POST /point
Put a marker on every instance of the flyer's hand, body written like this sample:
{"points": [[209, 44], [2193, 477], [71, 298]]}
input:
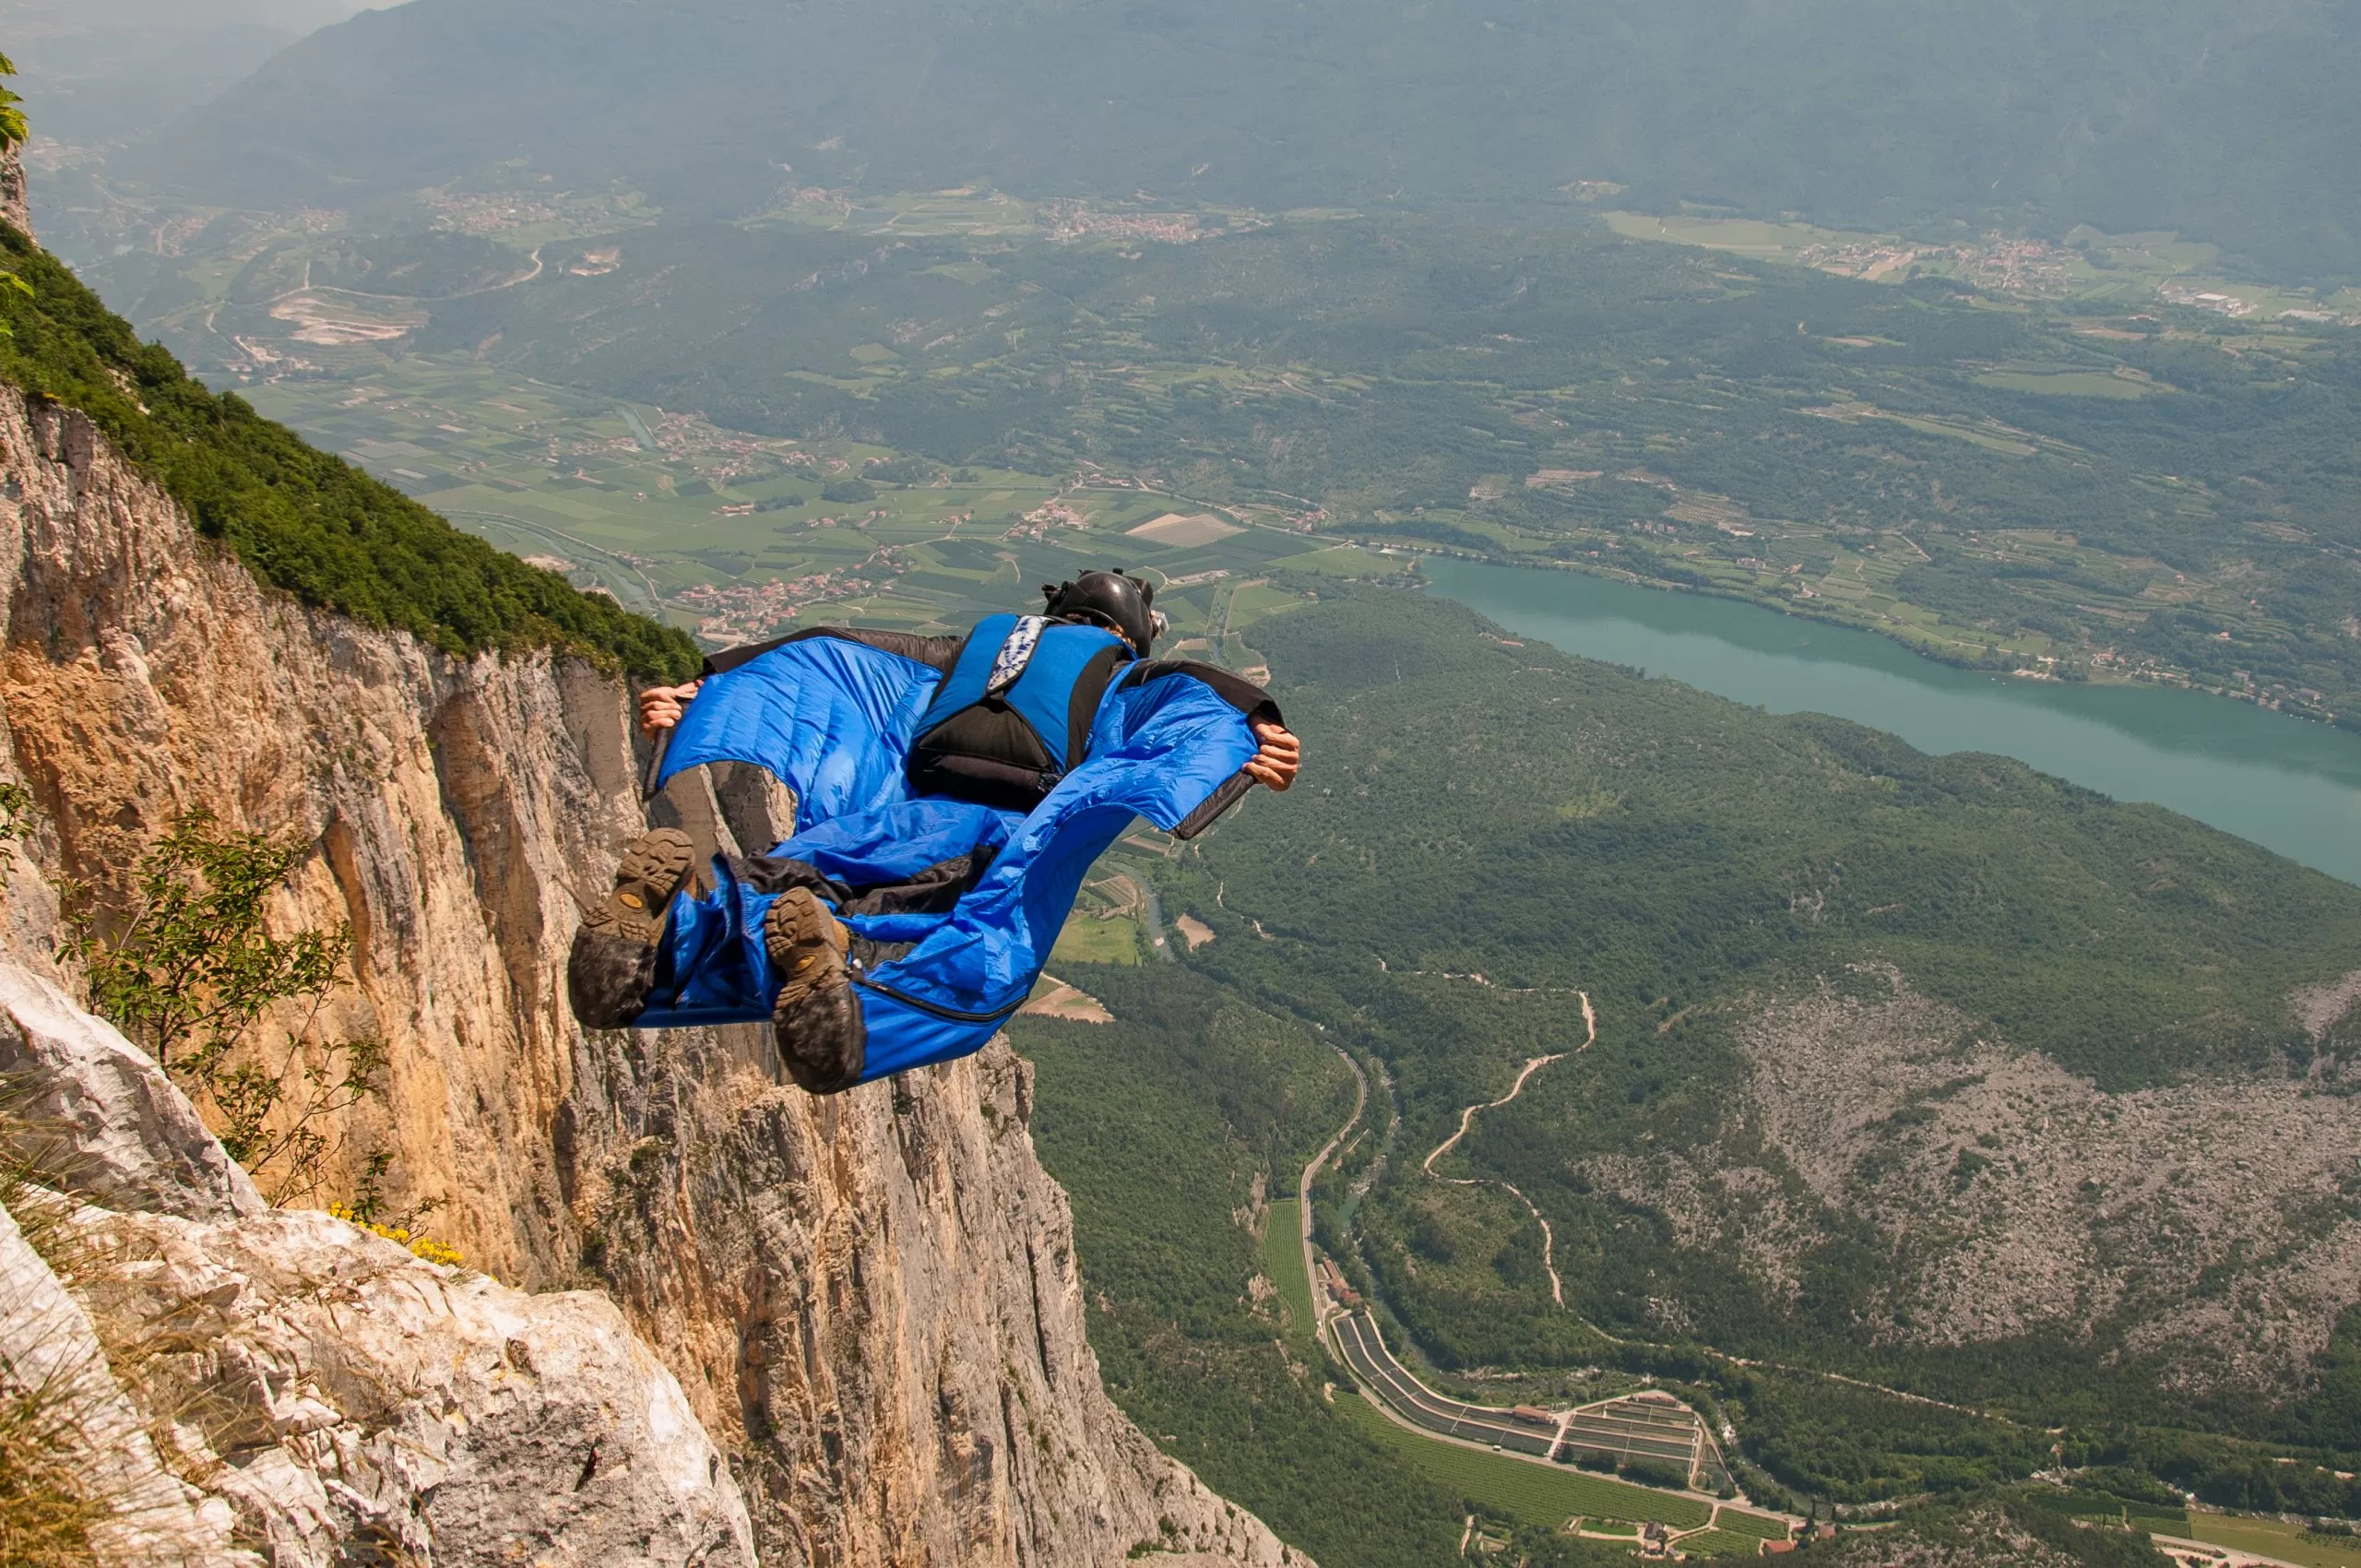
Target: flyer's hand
{"points": [[659, 707], [1281, 755]]}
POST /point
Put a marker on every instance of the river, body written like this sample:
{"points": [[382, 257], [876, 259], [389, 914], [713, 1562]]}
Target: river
{"points": [[2288, 784]]}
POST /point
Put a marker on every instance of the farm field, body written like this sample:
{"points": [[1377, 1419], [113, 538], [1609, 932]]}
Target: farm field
{"points": [[1719, 1543], [2275, 1538], [1761, 1526], [735, 537], [1535, 1494], [2121, 271], [1087, 940], [1283, 1263]]}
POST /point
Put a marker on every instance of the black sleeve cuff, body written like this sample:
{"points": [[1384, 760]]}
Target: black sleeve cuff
{"points": [[936, 653], [1232, 791], [1231, 688]]}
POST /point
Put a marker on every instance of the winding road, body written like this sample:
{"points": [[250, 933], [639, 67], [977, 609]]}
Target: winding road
{"points": [[1467, 1119], [1343, 1335], [1303, 1204]]}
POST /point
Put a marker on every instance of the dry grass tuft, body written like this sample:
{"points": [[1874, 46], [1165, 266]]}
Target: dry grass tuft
{"points": [[37, 1162], [45, 1516], [45, 1512], [47, 1509]]}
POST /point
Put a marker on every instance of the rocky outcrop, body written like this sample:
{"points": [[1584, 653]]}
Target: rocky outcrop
{"points": [[870, 1302], [352, 1403], [329, 1397], [14, 207], [101, 1117]]}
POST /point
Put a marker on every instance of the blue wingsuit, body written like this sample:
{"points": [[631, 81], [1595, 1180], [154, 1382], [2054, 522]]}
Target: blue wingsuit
{"points": [[832, 714]]}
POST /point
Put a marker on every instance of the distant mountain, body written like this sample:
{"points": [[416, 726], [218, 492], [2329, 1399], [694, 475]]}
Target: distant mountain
{"points": [[99, 74], [2224, 122]]}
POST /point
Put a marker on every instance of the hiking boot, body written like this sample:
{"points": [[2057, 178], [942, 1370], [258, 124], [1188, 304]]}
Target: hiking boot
{"points": [[612, 967], [817, 1019]]}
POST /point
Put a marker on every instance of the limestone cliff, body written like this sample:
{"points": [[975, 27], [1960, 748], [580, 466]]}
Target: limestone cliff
{"points": [[222, 1384], [870, 1302], [14, 207]]}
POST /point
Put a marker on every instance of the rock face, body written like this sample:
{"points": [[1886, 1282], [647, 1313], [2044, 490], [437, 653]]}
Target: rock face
{"points": [[870, 1302], [137, 1141], [885, 1288], [352, 1403], [2011, 1197]]}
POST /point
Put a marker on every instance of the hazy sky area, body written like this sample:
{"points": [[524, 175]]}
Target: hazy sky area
{"points": [[95, 72]]}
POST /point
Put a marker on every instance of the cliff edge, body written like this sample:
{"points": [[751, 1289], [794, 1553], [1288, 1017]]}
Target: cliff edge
{"points": [[871, 1303]]}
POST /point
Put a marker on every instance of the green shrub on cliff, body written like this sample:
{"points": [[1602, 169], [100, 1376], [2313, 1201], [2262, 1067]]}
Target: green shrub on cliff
{"points": [[13, 129], [301, 519]]}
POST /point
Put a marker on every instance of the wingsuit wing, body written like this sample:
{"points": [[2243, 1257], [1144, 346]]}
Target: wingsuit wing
{"points": [[829, 715], [1168, 744]]}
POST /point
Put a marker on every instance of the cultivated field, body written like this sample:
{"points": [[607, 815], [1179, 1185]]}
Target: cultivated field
{"points": [[2275, 1538], [1719, 1543], [1283, 1264], [735, 537], [2126, 271], [1088, 941], [1535, 1494]]}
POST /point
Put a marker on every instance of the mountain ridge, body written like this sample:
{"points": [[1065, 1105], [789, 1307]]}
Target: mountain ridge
{"points": [[1852, 113]]}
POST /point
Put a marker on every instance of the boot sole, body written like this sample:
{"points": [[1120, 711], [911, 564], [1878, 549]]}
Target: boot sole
{"points": [[652, 871], [807, 946]]}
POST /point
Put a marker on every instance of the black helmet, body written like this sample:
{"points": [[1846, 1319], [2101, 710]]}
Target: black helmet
{"points": [[1122, 604]]}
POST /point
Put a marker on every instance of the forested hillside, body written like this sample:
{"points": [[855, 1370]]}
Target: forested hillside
{"points": [[1930, 1071], [2228, 123], [300, 518]]}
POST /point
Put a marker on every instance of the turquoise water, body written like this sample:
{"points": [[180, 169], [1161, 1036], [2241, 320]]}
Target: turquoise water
{"points": [[2286, 783]]}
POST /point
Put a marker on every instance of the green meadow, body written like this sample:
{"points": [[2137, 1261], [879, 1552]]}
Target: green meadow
{"points": [[1283, 1264]]}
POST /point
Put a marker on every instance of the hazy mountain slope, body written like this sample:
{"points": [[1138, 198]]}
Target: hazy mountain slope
{"points": [[104, 72], [1931, 1071], [2189, 113]]}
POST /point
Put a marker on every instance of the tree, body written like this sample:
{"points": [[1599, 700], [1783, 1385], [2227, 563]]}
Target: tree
{"points": [[13, 131], [193, 971]]}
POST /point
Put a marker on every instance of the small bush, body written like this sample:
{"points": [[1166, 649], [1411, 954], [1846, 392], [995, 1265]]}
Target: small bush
{"points": [[195, 969], [16, 806]]}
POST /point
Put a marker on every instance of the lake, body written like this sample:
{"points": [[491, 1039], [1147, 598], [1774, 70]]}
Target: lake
{"points": [[2288, 784]]}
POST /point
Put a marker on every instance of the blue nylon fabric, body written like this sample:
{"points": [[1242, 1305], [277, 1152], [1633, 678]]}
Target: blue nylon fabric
{"points": [[712, 967], [832, 719], [973, 670], [1040, 696], [1156, 751]]}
